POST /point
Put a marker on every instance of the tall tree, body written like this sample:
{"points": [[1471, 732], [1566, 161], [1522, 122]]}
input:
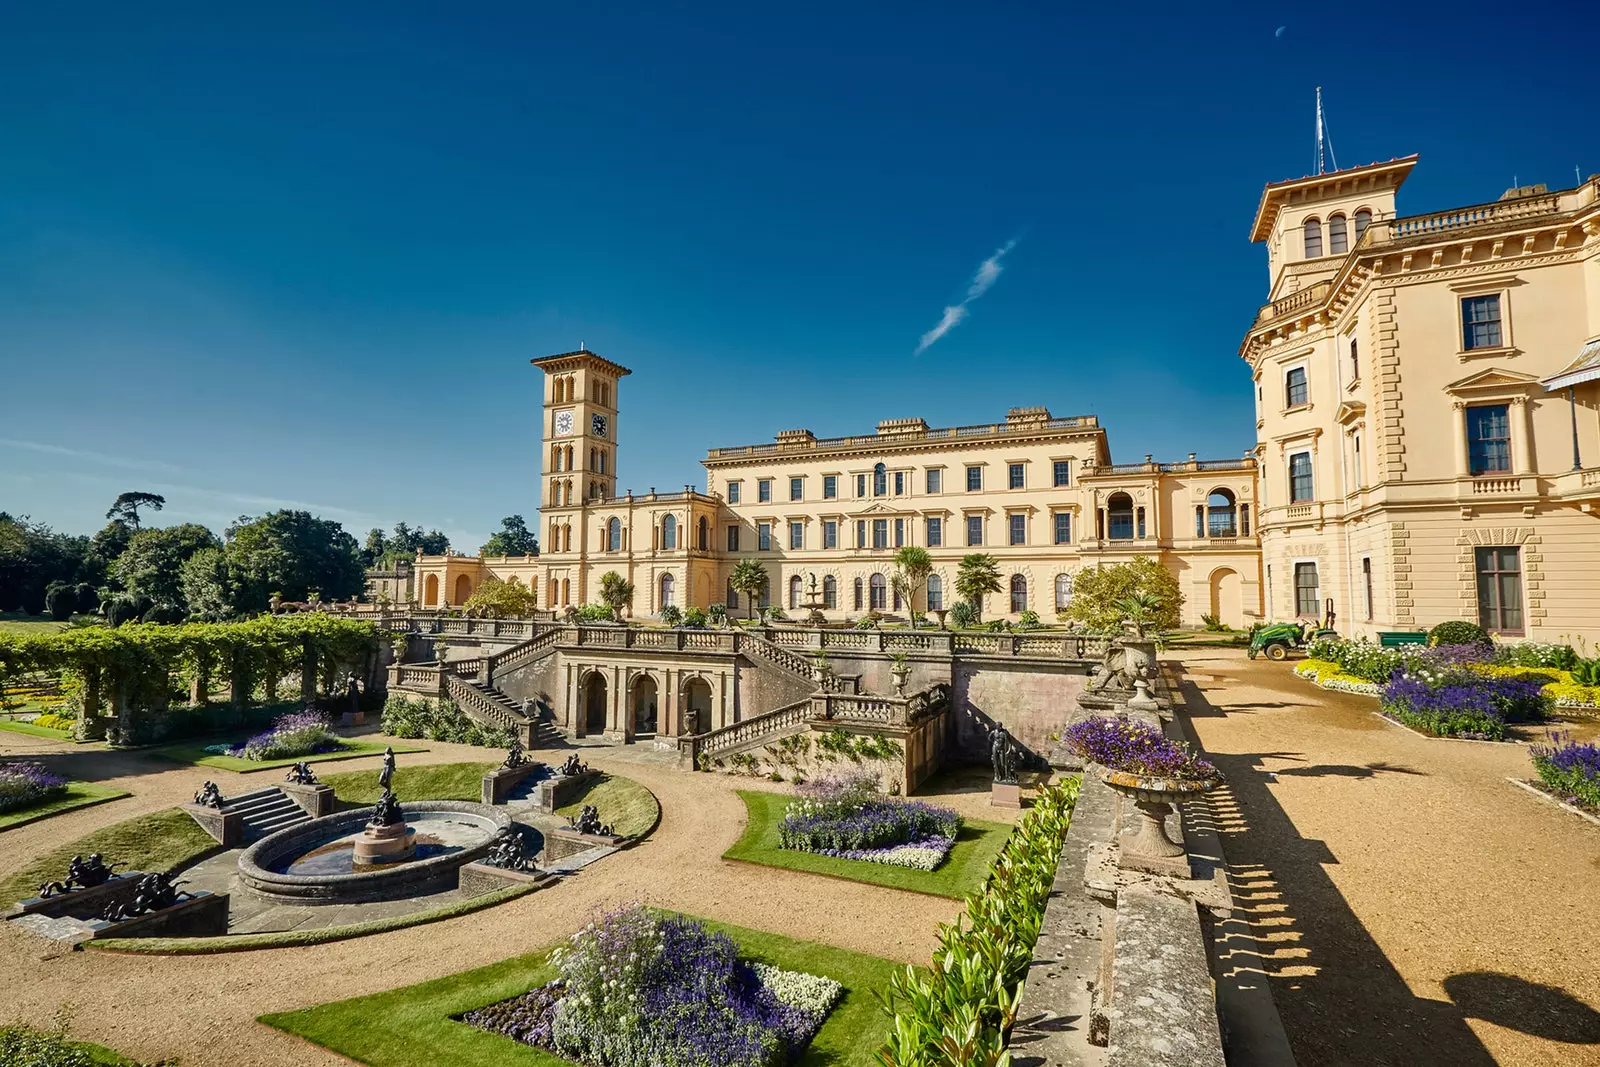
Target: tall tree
{"points": [[32, 558], [407, 540], [978, 575], [616, 592], [203, 579], [292, 553], [514, 539], [1100, 596], [912, 565], [150, 568], [125, 509], [374, 547], [750, 578]]}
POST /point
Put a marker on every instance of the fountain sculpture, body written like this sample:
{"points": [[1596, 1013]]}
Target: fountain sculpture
{"points": [[386, 838]]}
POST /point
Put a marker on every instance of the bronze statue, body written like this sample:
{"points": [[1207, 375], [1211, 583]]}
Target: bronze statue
{"points": [[386, 773], [155, 891], [574, 766], [1002, 755], [81, 874], [515, 757], [386, 812], [588, 822], [301, 774], [209, 796], [509, 852]]}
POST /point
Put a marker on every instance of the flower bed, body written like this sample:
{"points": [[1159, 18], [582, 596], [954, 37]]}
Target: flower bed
{"points": [[848, 818], [299, 733], [1456, 702], [1124, 744], [638, 989], [23, 785], [1328, 675], [1360, 667], [1569, 769]]}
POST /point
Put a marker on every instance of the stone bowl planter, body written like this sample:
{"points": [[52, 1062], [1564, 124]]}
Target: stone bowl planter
{"points": [[1154, 797]]}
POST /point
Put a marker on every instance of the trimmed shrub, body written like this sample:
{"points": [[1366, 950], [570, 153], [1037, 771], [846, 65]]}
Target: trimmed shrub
{"points": [[1457, 632], [439, 720], [672, 615], [694, 619]]}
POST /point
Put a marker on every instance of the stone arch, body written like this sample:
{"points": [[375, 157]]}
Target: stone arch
{"points": [[463, 589], [1227, 596], [794, 592], [430, 591], [669, 532], [1019, 593], [669, 591], [696, 705], [644, 704], [594, 702]]}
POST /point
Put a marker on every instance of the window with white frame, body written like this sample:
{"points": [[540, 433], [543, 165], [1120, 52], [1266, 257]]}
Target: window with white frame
{"points": [[1313, 238], [933, 532], [1489, 439], [1499, 573], [1480, 322], [934, 479], [1306, 600], [1063, 591], [1300, 486], [797, 535], [974, 529], [1296, 389]]}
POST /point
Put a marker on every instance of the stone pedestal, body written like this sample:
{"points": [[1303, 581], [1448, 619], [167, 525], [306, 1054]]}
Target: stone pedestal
{"points": [[378, 845], [353, 718], [316, 799], [1006, 795]]}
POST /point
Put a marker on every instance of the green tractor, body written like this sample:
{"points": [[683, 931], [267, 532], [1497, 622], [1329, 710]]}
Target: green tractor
{"points": [[1278, 639]]}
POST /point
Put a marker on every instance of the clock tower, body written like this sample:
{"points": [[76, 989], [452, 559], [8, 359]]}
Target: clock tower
{"points": [[580, 443]]}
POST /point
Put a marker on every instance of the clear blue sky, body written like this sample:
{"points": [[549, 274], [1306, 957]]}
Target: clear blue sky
{"points": [[303, 253]]}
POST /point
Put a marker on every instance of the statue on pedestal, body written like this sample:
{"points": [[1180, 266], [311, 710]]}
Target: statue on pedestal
{"points": [[386, 812], [301, 774], [81, 874], [386, 773], [209, 796], [515, 757], [1003, 755]]}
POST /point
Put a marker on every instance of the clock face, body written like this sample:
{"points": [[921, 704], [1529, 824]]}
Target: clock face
{"points": [[563, 423], [598, 425]]}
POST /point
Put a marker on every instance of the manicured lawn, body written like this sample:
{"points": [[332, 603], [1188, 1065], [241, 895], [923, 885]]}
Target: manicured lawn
{"points": [[79, 795], [413, 1026], [23, 624], [962, 872], [158, 841], [435, 781], [630, 808], [194, 752], [16, 726]]}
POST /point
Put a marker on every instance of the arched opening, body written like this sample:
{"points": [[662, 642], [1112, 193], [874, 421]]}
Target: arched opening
{"points": [[794, 592], [430, 591], [644, 705], [566, 591], [669, 533], [1119, 515], [935, 593], [696, 706], [669, 591], [1063, 591], [594, 703], [880, 480], [830, 592], [1222, 514], [1363, 219], [1338, 236], [1313, 238], [1019, 594], [880, 589], [1227, 596], [463, 589], [855, 600], [703, 535], [614, 535]]}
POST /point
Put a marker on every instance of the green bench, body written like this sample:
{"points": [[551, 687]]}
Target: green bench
{"points": [[1396, 638]]}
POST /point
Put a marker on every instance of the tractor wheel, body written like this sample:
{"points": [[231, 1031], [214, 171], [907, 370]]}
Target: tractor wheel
{"points": [[1277, 652]]}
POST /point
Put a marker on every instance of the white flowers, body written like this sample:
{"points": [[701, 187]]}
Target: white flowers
{"points": [[808, 992]]}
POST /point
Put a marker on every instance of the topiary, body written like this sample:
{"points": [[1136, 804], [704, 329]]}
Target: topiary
{"points": [[1458, 632]]}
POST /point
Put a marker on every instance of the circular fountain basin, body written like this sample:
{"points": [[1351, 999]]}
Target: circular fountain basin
{"points": [[315, 862]]}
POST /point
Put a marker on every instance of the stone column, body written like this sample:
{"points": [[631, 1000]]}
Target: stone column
{"points": [[1521, 414], [1463, 461]]}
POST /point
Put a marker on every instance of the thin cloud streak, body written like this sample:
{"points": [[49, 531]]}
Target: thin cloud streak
{"points": [[93, 457], [983, 279]]}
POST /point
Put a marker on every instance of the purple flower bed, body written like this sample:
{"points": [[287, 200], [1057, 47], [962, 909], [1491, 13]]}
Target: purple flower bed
{"points": [[1571, 769], [1124, 744], [1450, 701], [298, 733], [641, 990], [23, 785], [850, 819], [923, 855]]}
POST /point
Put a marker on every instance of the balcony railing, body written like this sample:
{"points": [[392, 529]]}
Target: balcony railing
{"points": [[838, 444]]}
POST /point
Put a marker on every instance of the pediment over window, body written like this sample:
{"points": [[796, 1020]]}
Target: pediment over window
{"points": [[878, 508], [1349, 411], [1495, 378]]}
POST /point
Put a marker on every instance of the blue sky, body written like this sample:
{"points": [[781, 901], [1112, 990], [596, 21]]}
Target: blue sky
{"points": [[300, 254]]}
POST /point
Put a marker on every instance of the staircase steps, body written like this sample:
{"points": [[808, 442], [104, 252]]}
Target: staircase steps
{"points": [[266, 811]]}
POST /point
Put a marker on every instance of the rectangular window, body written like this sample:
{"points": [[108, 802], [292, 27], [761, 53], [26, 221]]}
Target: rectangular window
{"points": [[1480, 322], [733, 492], [1063, 524], [764, 491], [1500, 589], [1355, 361], [1296, 391], [1014, 475], [1300, 487], [1489, 439], [899, 533], [855, 597], [934, 529], [797, 535], [861, 533], [1018, 529], [974, 479], [1305, 590], [1366, 581], [935, 477], [830, 487], [880, 533], [974, 529], [797, 488], [763, 537], [733, 539], [1061, 473], [935, 593], [861, 486], [830, 534], [899, 483], [1139, 514]]}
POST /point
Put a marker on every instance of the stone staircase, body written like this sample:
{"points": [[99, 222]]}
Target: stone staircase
{"points": [[489, 705], [266, 811], [794, 664]]}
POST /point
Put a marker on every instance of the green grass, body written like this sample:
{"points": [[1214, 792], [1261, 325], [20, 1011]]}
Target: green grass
{"points": [[630, 808], [79, 795], [200, 946], [962, 872], [158, 841], [23, 624], [434, 781], [194, 752], [18, 727], [413, 1026]]}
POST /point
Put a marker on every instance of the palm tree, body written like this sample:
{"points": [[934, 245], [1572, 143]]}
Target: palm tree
{"points": [[912, 565], [616, 592], [749, 578], [1138, 610], [978, 574]]}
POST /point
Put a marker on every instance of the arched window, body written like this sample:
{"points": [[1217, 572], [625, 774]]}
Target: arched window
{"points": [[614, 535], [1313, 231], [856, 599], [568, 451], [669, 533], [703, 538], [1019, 594], [1363, 220], [830, 592], [880, 588], [600, 462], [733, 596], [669, 591], [1063, 591], [880, 480], [567, 490], [1221, 514], [935, 593], [794, 592], [1338, 237], [1119, 512], [566, 590]]}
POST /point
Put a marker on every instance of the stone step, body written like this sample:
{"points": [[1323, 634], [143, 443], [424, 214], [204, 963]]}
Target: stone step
{"points": [[273, 825]]}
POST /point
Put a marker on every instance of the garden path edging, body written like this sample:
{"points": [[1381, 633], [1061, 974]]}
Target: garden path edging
{"points": [[1562, 804]]}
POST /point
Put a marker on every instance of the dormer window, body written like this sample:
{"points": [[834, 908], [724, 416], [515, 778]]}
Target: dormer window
{"points": [[1338, 238], [1313, 238]]}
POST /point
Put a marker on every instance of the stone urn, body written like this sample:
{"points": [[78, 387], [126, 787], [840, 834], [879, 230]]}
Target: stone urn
{"points": [[1154, 798], [899, 674], [1141, 655]]}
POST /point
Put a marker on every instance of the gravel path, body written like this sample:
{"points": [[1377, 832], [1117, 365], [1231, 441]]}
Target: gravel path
{"points": [[1419, 908], [202, 1009]]}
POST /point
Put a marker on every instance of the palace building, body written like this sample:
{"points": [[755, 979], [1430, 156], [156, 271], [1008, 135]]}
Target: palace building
{"points": [[1428, 447]]}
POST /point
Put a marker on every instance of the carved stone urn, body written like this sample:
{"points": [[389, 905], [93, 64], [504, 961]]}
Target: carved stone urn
{"points": [[1154, 798]]}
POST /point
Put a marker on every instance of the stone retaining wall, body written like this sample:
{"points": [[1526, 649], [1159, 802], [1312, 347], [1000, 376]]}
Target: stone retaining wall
{"points": [[203, 915], [498, 783]]}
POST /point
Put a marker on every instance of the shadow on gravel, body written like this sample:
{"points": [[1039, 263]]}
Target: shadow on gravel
{"points": [[1527, 1007]]}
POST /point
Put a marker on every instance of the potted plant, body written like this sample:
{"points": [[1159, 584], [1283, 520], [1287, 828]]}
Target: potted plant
{"points": [[820, 670], [899, 672], [1144, 766]]}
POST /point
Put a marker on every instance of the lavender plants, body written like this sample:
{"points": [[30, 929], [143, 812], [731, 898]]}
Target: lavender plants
{"points": [[1571, 769], [849, 819], [23, 785], [1442, 696], [1124, 744], [299, 733]]}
